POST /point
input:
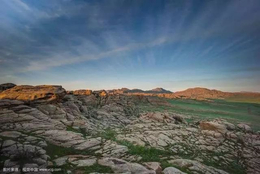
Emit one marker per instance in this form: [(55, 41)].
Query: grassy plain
[(234, 112)]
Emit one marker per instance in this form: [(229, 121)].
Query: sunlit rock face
[(82, 92), (43, 93)]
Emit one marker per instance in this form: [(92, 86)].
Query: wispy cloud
[(38, 36)]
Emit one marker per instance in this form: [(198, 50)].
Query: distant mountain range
[(197, 93), (139, 91)]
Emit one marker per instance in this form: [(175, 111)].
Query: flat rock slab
[(172, 170), (121, 166)]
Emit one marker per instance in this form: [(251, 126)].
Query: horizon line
[(136, 88)]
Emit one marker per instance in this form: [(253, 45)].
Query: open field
[(244, 99), (197, 110)]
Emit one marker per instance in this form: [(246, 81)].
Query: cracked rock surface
[(93, 132)]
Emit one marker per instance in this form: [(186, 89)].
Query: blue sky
[(136, 44)]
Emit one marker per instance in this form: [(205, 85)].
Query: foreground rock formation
[(45, 127), (44, 93)]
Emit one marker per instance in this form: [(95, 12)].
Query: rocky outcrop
[(214, 144), (244, 127), (62, 124), (43, 93), (82, 92), (106, 133)]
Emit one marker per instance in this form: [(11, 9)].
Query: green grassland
[(244, 99), (234, 112)]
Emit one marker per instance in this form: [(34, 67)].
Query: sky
[(109, 44)]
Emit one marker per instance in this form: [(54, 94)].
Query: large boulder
[(155, 166), (178, 118), (213, 126), (42, 93), (6, 86), (172, 170), (244, 127)]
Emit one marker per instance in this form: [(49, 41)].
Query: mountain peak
[(160, 90)]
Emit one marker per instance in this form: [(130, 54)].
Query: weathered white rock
[(61, 161), (85, 162), (121, 166), (196, 166), (11, 134), (172, 170), (244, 127), (89, 143), (155, 166), (8, 143)]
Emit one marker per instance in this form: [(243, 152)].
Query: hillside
[(96, 132), (204, 93), (155, 91), (197, 93)]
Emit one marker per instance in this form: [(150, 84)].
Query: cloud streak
[(135, 36)]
